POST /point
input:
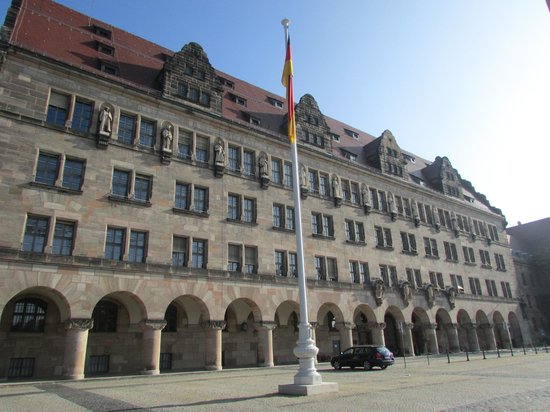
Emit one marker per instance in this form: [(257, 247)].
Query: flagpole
[(305, 350)]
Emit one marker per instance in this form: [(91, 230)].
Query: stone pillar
[(491, 340), (76, 340), (346, 335), (214, 345), (151, 345), (431, 338), (473, 341), (452, 337), (408, 338), (265, 335), (505, 333), (378, 333)]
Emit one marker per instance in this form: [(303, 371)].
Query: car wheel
[(367, 365), (336, 365), (384, 367)]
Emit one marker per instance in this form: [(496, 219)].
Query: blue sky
[(466, 79)]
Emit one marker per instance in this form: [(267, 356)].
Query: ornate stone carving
[(79, 323), (264, 170), (437, 222), (304, 182), (153, 324), (336, 191), (406, 292), (392, 206), (219, 158), (105, 125), (265, 325), (430, 294), (365, 193), (451, 296), (216, 324), (378, 289), (416, 216), (167, 135)]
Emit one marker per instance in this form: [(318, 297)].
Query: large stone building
[(148, 220), (530, 244)]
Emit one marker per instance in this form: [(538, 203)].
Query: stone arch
[(39, 334), (444, 324), (394, 333), (367, 329), (485, 333), (116, 351), (329, 326), (240, 335), (421, 331), (500, 329), (184, 339), (467, 335), (515, 330), (285, 334)]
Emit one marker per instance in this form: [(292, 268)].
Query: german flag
[(287, 82)]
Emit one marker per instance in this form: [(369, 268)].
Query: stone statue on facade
[(167, 139), (219, 158), (264, 171), (336, 190), (105, 121)]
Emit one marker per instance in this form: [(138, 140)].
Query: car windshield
[(384, 351)]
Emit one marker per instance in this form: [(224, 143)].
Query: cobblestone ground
[(518, 383)]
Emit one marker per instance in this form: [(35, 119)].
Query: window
[(187, 194), (457, 282), (180, 250), (47, 169), (469, 256), (200, 199), (355, 231), (378, 200), (332, 270), (280, 263), (388, 274), (171, 318), (114, 243), (241, 209), (325, 268), (383, 237), (275, 102), (239, 100), (234, 258), (323, 184), (409, 242), (283, 217), (430, 246), (126, 129), (287, 179), (506, 291), (185, 144), (234, 158), (450, 251), (100, 31), (485, 258), (199, 254), (493, 232), (146, 133), (499, 259), (425, 213), (314, 182), (250, 259), (475, 286), (138, 247), (63, 238), (29, 315), (491, 287), (105, 316), (82, 116), (202, 149), (355, 196), (98, 364), (351, 133), (436, 279), (142, 188), (248, 163), (73, 174), (276, 173), (181, 200), (346, 193), (403, 206), (36, 232), (121, 183), (108, 68), (414, 277), (292, 264), (322, 225), (359, 271), (57, 109), (21, 368)]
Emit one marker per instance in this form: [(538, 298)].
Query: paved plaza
[(509, 383)]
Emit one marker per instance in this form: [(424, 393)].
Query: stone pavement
[(518, 383)]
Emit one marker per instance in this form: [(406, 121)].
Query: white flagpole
[(305, 349)]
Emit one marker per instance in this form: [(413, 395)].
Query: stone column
[(151, 345), (473, 341), (265, 335), (377, 333), (408, 338), (76, 340), (452, 337), (431, 338), (214, 345), (490, 336), (346, 334), (505, 333)]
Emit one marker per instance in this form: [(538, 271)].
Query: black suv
[(366, 356)]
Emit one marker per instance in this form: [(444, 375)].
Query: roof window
[(351, 133), (275, 102), (109, 68), (106, 49), (226, 82), (103, 32), (335, 137)]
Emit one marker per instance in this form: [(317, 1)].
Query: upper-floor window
[(63, 238), (114, 243), (191, 198), (493, 232), (82, 116), (180, 251), (469, 255), (506, 290), (499, 259), (49, 166), (403, 206), (276, 171), (137, 250), (388, 274), (425, 213), (359, 271), (58, 107), (450, 251), (485, 258), (436, 279), (414, 277), (457, 282), (378, 199), (355, 231), (322, 225), (185, 144), (283, 217), (475, 286), (285, 263), (430, 247), (198, 253), (275, 102), (241, 208), (126, 129), (351, 133), (491, 287), (147, 133), (409, 242), (326, 268), (202, 149), (29, 315), (101, 31), (130, 185), (36, 233), (242, 258), (234, 158), (383, 237), (249, 168), (287, 178)]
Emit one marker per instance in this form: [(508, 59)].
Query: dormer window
[(254, 120), (351, 133), (450, 176), (239, 100), (335, 137), (391, 152), (275, 102), (409, 158), (104, 48), (349, 156), (226, 82), (103, 32), (109, 68)]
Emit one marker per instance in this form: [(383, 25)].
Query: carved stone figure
[(365, 193), (264, 170), (105, 121), (378, 289), (406, 292), (220, 153), (167, 138), (392, 206), (430, 294), (303, 177), (451, 296), (336, 187)]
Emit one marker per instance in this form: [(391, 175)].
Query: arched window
[(171, 318), (28, 315), (105, 316)]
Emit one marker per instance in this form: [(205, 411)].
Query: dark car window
[(384, 351), (348, 351)]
